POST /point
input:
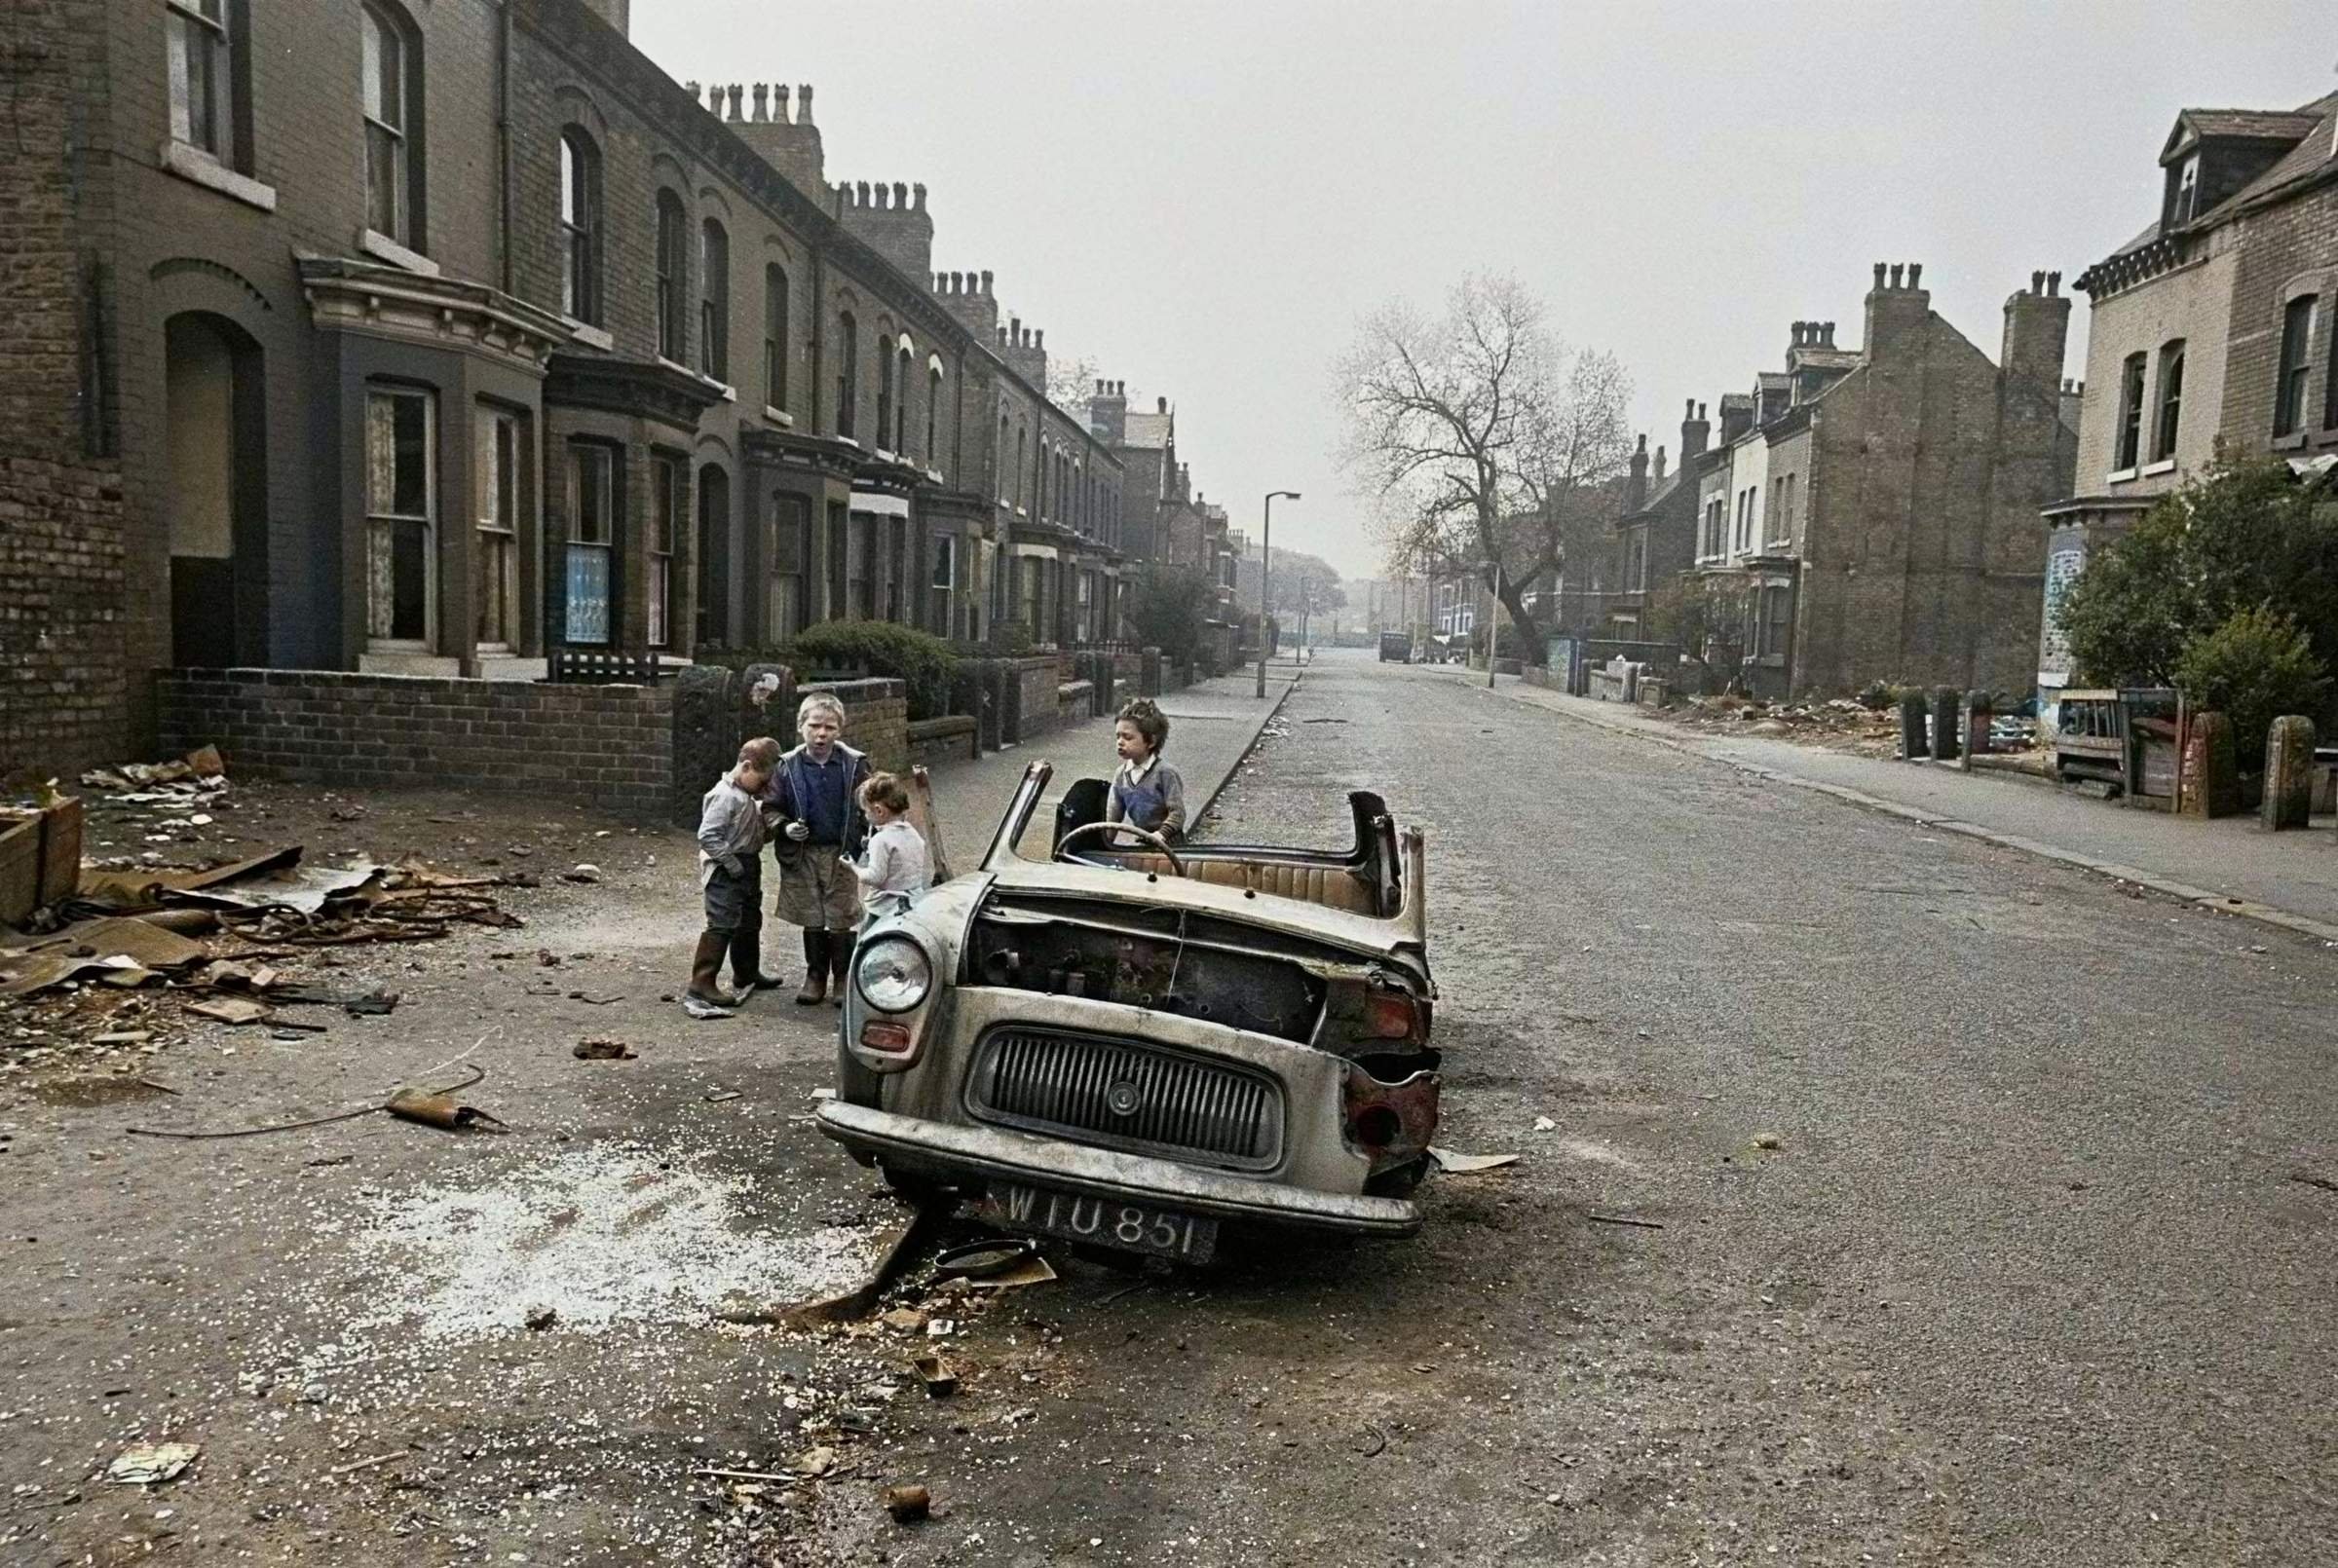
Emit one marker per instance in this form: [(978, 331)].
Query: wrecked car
[(1135, 1042)]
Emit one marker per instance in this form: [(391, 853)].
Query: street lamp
[(1266, 578)]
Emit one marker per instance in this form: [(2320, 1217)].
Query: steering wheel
[(1154, 839)]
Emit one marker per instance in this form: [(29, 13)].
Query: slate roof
[(1148, 430)]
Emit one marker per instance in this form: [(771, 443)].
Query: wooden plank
[(20, 868), (60, 850), (928, 826)]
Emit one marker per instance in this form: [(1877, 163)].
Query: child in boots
[(814, 798), (730, 878), (1147, 791), (896, 861)]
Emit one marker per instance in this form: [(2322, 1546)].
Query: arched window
[(391, 92), (885, 389), (715, 301), (1022, 453), (775, 336), (848, 374), (580, 226), (999, 463), (673, 275), (902, 414), (933, 404)]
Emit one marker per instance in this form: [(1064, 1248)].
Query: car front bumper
[(953, 1150)]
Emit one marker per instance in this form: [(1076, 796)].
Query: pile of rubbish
[(131, 945), (1841, 723)]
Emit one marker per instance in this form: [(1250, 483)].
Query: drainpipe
[(503, 142)]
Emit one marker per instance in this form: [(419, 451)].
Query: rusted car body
[(1129, 1044)]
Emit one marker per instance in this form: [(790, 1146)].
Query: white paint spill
[(601, 1237)]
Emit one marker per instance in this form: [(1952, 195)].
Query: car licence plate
[(1135, 1227)]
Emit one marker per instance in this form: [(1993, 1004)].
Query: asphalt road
[(1982, 1239)]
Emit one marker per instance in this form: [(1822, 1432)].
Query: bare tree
[(1489, 445), (1070, 382)]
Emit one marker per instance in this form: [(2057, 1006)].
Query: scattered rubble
[(149, 1464)]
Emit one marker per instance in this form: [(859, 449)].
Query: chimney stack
[(2037, 333), (1693, 432), (1636, 487), (1896, 311)]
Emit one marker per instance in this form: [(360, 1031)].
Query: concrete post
[(2288, 773), (1944, 703), (2212, 778), (1980, 710), (1913, 747), (1148, 673)]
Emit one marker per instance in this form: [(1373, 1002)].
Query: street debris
[(150, 1464), (417, 1101), (584, 871), (1622, 1219), (442, 1110), (229, 1010), (982, 1259), (937, 1374), (1543, 1124), (2309, 1180), (1459, 1164), (539, 1318), (604, 1051), (375, 1463), (723, 1096), (907, 1504), (1767, 1140), (818, 1461), (202, 763)]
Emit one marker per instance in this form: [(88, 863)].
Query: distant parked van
[(1397, 646)]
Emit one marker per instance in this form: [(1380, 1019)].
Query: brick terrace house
[(438, 338), (1656, 536), (1873, 501), (2212, 328)]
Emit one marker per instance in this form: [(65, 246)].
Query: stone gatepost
[(2210, 776), (2288, 773), (1913, 746), (1148, 673), (1944, 703), (708, 721), (1979, 713)]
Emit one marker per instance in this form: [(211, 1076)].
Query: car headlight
[(893, 974)]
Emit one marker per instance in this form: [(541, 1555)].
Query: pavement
[(2286, 879), (1212, 725)]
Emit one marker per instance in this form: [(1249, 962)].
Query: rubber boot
[(839, 959), (815, 969), (746, 962), (705, 971)]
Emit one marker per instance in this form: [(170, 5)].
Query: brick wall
[(62, 698), (876, 718), (607, 746), (2283, 251)]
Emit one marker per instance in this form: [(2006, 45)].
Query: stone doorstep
[(2245, 908)]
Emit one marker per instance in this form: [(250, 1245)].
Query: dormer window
[(2183, 192)]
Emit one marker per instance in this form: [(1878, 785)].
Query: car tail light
[(878, 1035), (1376, 1127), (1391, 1015)]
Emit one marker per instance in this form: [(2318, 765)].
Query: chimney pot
[(986, 281), (1826, 333), (1880, 275), (2037, 282), (763, 103), (901, 196), (1038, 338), (1916, 274), (919, 192), (2053, 283), (738, 98), (1896, 271), (1161, 405), (804, 104)]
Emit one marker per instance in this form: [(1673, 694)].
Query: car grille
[(1124, 1094)]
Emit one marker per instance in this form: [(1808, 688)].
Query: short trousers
[(817, 889), (734, 901)]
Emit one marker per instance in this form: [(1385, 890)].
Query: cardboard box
[(20, 866), (60, 852)]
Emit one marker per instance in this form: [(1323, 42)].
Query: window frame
[(381, 519), (669, 512), (582, 297), (790, 512), (2294, 368), (775, 335), (2128, 437), (500, 489), (905, 365), (609, 465), (847, 376), (885, 388), (2167, 401), (185, 23), (714, 300), (672, 267), (401, 142), (933, 404)]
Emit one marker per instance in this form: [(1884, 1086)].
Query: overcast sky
[(1204, 197)]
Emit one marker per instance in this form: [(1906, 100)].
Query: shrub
[(2252, 670), (921, 661), (1167, 608)]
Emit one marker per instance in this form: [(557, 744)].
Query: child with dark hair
[(896, 861), (1147, 791)]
